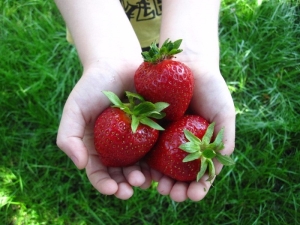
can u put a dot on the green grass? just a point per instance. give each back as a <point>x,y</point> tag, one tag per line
<point>260,59</point>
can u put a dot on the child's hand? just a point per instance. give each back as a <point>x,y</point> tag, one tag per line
<point>75,135</point>
<point>196,24</point>
<point>212,100</point>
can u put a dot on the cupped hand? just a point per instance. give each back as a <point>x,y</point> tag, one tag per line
<point>211,100</point>
<point>75,134</point>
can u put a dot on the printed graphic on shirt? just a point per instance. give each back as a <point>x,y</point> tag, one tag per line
<point>145,17</point>
<point>142,10</point>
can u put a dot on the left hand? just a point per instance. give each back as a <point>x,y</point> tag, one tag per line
<point>211,100</point>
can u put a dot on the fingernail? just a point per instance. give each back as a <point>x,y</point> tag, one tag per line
<point>74,159</point>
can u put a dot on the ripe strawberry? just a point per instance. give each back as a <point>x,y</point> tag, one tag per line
<point>161,79</point>
<point>124,133</point>
<point>184,152</point>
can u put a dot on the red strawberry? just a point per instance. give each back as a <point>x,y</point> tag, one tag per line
<point>182,155</point>
<point>123,133</point>
<point>161,79</point>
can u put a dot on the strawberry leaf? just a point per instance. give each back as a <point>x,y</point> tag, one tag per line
<point>211,170</point>
<point>175,51</point>
<point>114,99</point>
<point>157,115</point>
<point>143,108</point>
<point>225,160</point>
<point>177,44</point>
<point>160,106</point>
<point>219,137</point>
<point>134,123</point>
<point>191,137</point>
<point>163,50</point>
<point>205,151</point>
<point>189,147</point>
<point>151,123</point>
<point>166,51</point>
<point>218,142</point>
<point>192,157</point>
<point>146,56</point>
<point>209,154</point>
<point>208,134</point>
<point>134,95</point>
<point>126,110</point>
<point>203,169</point>
<point>139,113</point>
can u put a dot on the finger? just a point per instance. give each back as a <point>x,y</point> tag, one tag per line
<point>125,190</point>
<point>147,174</point>
<point>70,134</point>
<point>218,166</point>
<point>99,176</point>
<point>156,176</point>
<point>133,175</point>
<point>198,190</point>
<point>228,122</point>
<point>179,191</point>
<point>165,185</point>
<point>108,181</point>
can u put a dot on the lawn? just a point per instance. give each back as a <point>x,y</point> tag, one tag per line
<point>260,60</point>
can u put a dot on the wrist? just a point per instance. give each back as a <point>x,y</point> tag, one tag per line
<point>196,24</point>
<point>206,61</point>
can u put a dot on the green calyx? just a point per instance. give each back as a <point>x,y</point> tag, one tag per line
<point>166,51</point>
<point>140,112</point>
<point>206,151</point>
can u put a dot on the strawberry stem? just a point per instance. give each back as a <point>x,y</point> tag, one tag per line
<point>142,112</point>
<point>205,151</point>
<point>166,51</point>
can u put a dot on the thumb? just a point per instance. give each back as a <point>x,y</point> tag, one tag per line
<point>228,122</point>
<point>70,136</point>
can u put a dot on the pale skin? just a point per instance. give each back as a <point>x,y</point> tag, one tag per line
<point>110,53</point>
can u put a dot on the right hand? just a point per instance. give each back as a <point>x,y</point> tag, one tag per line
<point>75,134</point>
